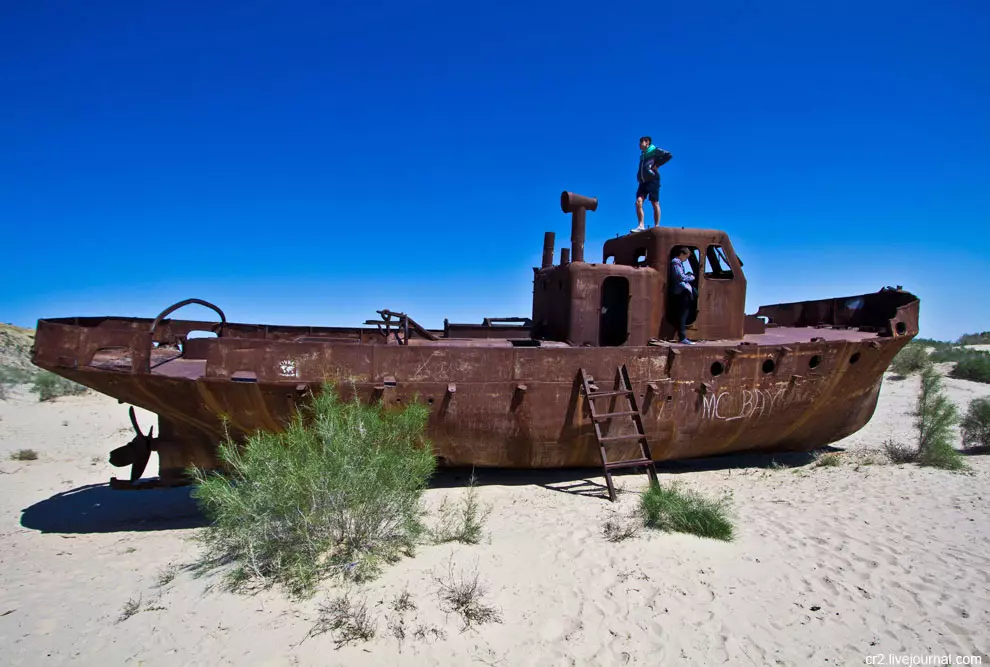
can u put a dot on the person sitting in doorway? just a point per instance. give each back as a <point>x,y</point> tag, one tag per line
<point>682,291</point>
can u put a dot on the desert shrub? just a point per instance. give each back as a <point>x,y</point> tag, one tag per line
<point>935,415</point>
<point>12,375</point>
<point>24,455</point>
<point>15,375</point>
<point>899,452</point>
<point>982,338</point>
<point>974,365</point>
<point>975,424</point>
<point>49,386</point>
<point>336,493</point>
<point>617,530</point>
<point>348,621</point>
<point>948,353</point>
<point>828,460</point>
<point>911,359</point>
<point>463,594</point>
<point>668,508</point>
<point>461,522</point>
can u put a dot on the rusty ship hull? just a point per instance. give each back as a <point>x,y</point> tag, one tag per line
<point>493,401</point>
<point>508,392</point>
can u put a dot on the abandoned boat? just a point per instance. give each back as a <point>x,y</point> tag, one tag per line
<point>515,392</point>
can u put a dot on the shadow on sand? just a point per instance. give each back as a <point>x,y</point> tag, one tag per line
<point>584,481</point>
<point>96,508</point>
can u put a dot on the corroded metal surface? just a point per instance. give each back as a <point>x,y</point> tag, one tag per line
<point>507,392</point>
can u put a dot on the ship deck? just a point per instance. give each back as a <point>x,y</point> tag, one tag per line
<point>167,362</point>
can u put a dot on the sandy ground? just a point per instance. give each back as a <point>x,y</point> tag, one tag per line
<point>830,565</point>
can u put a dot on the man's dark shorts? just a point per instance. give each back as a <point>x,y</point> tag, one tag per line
<point>649,190</point>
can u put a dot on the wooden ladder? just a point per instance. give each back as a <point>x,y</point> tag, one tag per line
<point>624,388</point>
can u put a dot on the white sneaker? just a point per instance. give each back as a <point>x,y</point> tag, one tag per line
<point>637,229</point>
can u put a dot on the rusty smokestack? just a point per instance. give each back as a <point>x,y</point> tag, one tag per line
<point>565,256</point>
<point>548,238</point>
<point>576,205</point>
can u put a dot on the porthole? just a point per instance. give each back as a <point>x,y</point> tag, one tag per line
<point>814,361</point>
<point>717,368</point>
<point>853,359</point>
<point>901,328</point>
<point>768,366</point>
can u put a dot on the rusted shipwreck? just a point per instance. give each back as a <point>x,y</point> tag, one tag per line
<point>513,392</point>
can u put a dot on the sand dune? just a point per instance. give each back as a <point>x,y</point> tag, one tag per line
<point>829,565</point>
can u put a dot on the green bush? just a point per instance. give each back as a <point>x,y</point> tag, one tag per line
<point>335,494</point>
<point>11,375</point>
<point>982,338</point>
<point>49,386</point>
<point>973,366</point>
<point>828,460</point>
<point>935,415</point>
<point>975,424</point>
<point>670,509</point>
<point>462,522</point>
<point>911,359</point>
<point>951,353</point>
<point>15,375</point>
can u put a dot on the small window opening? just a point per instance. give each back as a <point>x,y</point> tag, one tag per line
<point>717,264</point>
<point>717,368</point>
<point>853,359</point>
<point>610,259</point>
<point>641,257</point>
<point>814,361</point>
<point>768,366</point>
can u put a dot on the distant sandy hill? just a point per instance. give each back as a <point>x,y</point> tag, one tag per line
<point>15,347</point>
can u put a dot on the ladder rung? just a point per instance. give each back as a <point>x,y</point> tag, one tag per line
<point>613,438</point>
<point>603,394</point>
<point>632,463</point>
<point>608,415</point>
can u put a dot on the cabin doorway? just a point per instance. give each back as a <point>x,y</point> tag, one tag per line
<point>671,311</point>
<point>613,326</point>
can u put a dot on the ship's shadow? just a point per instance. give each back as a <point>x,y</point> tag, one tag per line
<point>96,508</point>
<point>590,481</point>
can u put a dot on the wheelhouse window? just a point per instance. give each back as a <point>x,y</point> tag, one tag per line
<point>717,264</point>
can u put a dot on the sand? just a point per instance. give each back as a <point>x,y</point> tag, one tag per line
<point>829,566</point>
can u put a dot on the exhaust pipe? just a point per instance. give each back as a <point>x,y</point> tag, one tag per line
<point>576,205</point>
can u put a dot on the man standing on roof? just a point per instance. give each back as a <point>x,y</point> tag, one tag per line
<point>648,175</point>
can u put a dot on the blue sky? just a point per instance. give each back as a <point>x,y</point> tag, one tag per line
<point>310,163</point>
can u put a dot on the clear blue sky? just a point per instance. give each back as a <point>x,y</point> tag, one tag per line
<point>309,163</point>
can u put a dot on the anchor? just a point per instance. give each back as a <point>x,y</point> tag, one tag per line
<point>135,453</point>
